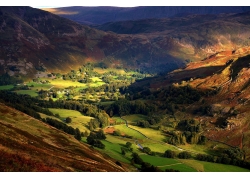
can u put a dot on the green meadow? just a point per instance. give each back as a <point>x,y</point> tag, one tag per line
<point>78,120</point>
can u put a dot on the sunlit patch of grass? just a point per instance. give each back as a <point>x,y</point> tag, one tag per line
<point>124,129</point>
<point>96,79</point>
<point>157,147</point>
<point>64,113</point>
<point>118,120</point>
<point>150,133</point>
<point>78,120</point>
<point>60,83</point>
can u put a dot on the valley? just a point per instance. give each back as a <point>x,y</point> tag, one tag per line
<point>144,95</point>
<point>129,114</point>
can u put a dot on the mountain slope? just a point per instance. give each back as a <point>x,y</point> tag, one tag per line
<point>224,113</point>
<point>30,145</point>
<point>34,39</point>
<point>198,35</point>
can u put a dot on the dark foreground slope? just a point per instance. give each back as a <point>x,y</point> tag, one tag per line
<point>30,145</point>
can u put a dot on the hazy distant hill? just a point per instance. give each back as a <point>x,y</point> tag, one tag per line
<point>100,15</point>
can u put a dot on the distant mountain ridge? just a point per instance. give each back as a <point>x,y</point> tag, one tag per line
<point>102,14</point>
<point>32,40</point>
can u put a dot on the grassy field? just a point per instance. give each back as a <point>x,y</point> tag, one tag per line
<point>39,86</point>
<point>212,167</point>
<point>60,83</point>
<point>118,119</point>
<point>78,120</point>
<point>158,161</point>
<point>113,149</point>
<point>96,79</point>
<point>65,112</point>
<point>6,87</point>
<point>150,133</point>
<point>124,129</point>
<point>32,93</point>
<point>157,147</point>
<point>167,163</point>
<point>132,119</point>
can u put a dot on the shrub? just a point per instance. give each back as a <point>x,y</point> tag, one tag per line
<point>68,120</point>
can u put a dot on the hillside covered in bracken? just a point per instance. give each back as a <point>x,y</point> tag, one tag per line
<point>29,145</point>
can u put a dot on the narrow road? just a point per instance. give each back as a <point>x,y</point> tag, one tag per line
<point>50,88</point>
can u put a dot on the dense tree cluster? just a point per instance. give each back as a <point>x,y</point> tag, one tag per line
<point>169,154</point>
<point>126,107</point>
<point>188,132</point>
<point>233,156</point>
<point>60,125</point>
<point>204,157</point>
<point>6,79</point>
<point>95,138</point>
<point>184,155</point>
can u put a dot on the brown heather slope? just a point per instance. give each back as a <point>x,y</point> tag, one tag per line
<point>30,145</point>
<point>231,103</point>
